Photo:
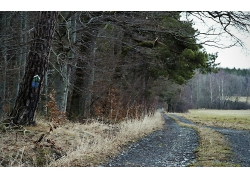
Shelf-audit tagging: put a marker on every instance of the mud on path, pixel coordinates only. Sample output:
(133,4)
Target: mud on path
(239,141)
(172,146)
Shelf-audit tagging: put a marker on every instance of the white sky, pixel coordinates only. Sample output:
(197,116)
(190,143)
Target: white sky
(236,56)
(232,57)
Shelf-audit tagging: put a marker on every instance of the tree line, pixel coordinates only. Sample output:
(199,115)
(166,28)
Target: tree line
(225,89)
(113,65)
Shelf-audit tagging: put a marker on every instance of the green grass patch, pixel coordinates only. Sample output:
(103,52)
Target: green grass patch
(235,119)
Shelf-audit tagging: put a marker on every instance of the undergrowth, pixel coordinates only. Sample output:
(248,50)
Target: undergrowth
(56,141)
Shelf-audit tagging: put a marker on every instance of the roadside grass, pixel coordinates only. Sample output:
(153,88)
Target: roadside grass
(74,144)
(213,149)
(235,119)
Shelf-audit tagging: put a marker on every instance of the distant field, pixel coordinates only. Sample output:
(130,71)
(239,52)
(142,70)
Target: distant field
(237,119)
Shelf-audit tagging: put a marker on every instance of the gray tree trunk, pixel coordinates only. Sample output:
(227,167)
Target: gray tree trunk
(72,37)
(22,48)
(64,56)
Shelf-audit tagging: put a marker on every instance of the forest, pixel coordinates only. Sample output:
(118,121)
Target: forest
(113,64)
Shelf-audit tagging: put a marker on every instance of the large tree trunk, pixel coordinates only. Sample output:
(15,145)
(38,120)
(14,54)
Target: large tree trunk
(4,63)
(85,73)
(67,30)
(89,81)
(22,49)
(27,100)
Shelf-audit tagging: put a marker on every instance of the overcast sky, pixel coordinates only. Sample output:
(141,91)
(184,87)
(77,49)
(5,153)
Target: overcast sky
(237,57)
(232,57)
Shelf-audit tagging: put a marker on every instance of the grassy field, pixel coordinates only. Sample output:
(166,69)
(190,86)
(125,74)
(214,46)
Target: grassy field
(236,119)
(76,144)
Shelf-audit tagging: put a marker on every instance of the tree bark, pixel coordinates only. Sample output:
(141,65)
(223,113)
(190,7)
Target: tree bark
(37,60)
(64,55)
(211,91)
(4,64)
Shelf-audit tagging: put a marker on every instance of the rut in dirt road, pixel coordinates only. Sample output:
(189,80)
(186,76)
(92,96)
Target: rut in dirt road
(239,142)
(171,147)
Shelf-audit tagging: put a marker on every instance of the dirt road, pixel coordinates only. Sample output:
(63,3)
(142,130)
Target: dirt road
(171,147)
(239,141)
(174,146)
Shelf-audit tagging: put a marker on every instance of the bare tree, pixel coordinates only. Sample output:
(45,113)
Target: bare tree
(224,23)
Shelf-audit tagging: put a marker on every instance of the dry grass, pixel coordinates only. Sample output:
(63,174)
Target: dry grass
(213,149)
(77,144)
(236,119)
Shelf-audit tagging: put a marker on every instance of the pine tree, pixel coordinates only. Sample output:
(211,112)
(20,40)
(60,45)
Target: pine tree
(37,60)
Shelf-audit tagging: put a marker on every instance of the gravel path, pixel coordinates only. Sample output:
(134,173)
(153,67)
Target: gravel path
(171,147)
(240,145)
(238,139)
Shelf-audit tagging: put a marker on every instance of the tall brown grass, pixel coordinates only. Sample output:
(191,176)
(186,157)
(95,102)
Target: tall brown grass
(94,143)
(82,145)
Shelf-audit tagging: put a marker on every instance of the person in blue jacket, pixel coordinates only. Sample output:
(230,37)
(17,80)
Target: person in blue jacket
(35,83)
